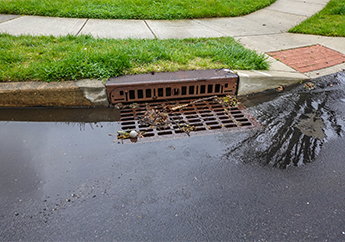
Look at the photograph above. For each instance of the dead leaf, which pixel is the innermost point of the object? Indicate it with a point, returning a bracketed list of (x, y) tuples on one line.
[(279, 89)]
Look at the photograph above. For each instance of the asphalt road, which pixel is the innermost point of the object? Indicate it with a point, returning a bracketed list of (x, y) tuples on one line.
[(69, 181)]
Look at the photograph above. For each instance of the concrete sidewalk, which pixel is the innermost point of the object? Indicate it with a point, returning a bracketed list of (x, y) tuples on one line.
[(263, 31)]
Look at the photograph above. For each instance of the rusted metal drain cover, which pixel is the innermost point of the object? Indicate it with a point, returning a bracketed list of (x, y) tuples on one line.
[(309, 58), (207, 117), (171, 85)]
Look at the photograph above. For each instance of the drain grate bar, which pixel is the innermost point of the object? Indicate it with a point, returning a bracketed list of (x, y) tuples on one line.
[(205, 116)]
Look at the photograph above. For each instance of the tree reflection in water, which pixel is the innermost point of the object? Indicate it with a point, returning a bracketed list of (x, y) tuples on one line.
[(296, 125)]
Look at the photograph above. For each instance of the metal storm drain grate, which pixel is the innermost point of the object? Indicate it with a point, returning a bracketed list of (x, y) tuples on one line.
[(173, 85), (199, 117), (309, 58)]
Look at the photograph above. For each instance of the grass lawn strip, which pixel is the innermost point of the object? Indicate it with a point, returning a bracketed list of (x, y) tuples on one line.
[(133, 9), (330, 21), (48, 58)]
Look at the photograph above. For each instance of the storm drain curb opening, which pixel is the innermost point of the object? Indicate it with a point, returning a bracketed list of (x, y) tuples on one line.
[(185, 103), (173, 85)]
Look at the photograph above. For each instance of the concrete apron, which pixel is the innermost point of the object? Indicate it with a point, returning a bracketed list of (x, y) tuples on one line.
[(92, 93)]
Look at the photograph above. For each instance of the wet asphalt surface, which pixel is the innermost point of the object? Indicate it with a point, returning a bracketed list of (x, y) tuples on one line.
[(64, 178)]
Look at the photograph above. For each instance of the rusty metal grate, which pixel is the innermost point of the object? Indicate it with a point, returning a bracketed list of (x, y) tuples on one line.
[(174, 85), (206, 117)]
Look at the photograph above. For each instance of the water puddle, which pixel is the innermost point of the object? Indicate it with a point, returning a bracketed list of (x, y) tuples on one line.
[(85, 115), (296, 124), (312, 126)]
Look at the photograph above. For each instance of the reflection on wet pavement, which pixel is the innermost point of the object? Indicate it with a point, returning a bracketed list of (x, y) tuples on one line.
[(68, 180), (296, 124), (78, 115), (312, 126)]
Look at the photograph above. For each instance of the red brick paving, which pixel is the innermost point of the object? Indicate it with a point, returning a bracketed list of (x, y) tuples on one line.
[(309, 58)]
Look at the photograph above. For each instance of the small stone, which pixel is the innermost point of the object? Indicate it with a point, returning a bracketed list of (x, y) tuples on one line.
[(133, 134)]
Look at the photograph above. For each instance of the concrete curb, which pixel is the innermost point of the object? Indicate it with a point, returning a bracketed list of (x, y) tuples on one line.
[(258, 81), (92, 93), (60, 94)]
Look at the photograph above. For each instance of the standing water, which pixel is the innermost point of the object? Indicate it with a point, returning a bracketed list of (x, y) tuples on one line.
[(297, 124), (63, 178)]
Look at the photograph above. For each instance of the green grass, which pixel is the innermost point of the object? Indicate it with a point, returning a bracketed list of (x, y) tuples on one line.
[(48, 58), (133, 9), (329, 22)]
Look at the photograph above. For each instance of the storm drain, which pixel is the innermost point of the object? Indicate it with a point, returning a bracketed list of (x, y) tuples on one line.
[(173, 85), (205, 117)]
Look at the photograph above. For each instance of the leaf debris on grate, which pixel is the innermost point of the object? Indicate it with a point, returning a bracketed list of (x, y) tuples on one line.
[(185, 117)]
